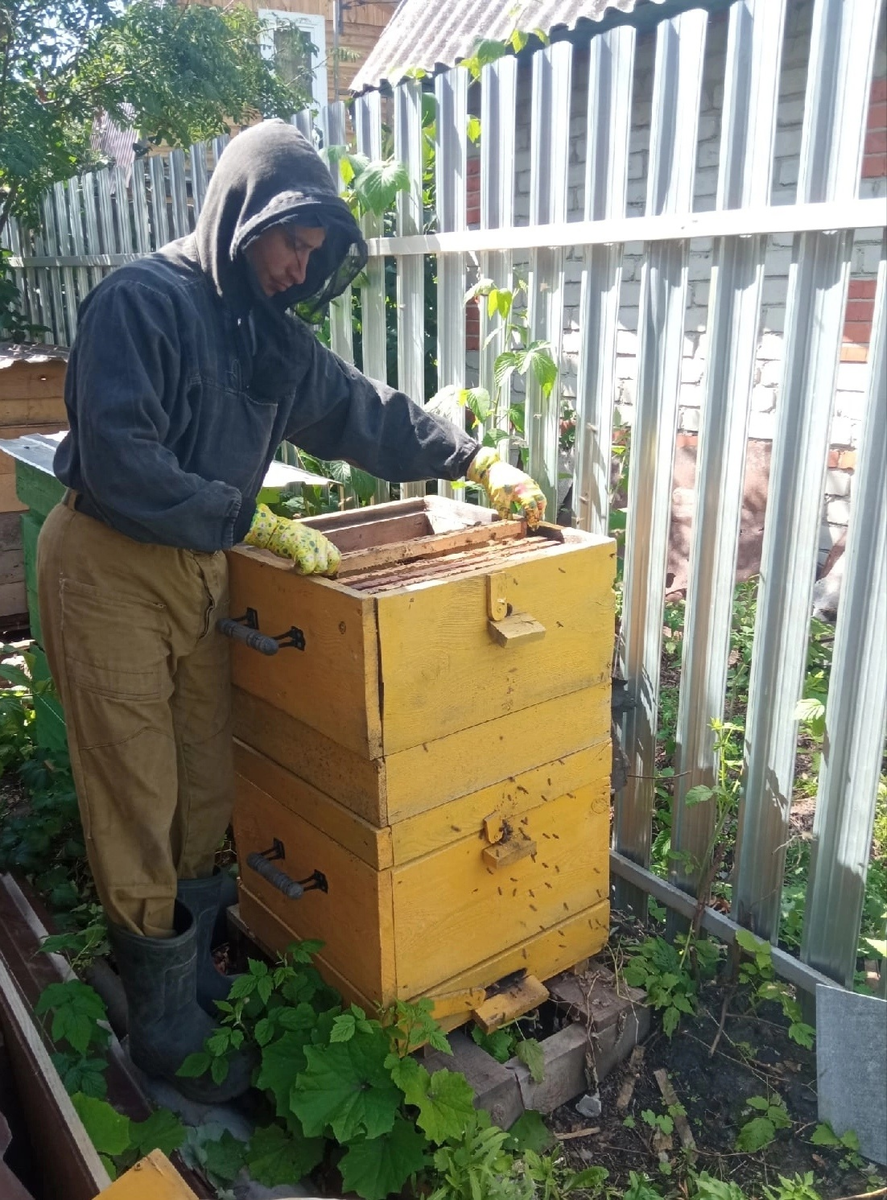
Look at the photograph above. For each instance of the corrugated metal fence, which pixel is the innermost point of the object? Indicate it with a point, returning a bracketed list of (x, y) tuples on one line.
[(95, 223)]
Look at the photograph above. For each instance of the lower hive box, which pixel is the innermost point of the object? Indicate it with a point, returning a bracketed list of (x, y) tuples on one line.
[(448, 855)]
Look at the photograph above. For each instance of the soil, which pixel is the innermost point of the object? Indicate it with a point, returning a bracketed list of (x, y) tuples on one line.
[(752, 1057)]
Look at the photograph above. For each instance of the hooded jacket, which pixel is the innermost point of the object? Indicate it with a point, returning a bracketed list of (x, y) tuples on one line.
[(184, 377)]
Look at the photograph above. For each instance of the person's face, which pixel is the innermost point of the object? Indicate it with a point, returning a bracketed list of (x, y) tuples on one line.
[(279, 256)]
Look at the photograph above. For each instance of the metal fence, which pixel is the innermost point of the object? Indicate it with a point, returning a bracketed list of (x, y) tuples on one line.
[(95, 223)]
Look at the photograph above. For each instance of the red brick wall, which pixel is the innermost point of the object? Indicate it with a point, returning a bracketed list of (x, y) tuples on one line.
[(861, 296)]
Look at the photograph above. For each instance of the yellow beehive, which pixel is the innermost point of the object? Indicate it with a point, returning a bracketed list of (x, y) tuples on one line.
[(433, 739)]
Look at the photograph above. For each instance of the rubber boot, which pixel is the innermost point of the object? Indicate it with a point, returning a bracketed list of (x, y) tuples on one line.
[(166, 1023), (204, 899)]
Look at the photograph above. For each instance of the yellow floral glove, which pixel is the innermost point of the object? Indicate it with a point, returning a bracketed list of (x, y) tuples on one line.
[(506, 485), (312, 553)]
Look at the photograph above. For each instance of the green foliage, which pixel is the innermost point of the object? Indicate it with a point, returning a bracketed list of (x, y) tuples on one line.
[(760, 1130), (758, 973), (661, 969), (178, 74), (116, 1137), (799, 1187), (78, 1013)]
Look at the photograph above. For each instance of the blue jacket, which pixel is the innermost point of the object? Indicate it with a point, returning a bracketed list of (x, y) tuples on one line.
[(184, 378)]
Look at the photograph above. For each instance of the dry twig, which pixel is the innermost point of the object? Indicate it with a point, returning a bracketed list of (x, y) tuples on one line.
[(682, 1125)]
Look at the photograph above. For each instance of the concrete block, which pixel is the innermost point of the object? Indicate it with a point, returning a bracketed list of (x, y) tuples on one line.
[(567, 1070), (842, 432), (851, 1066), (837, 483), (853, 377), (770, 375), (838, 512), (763, 399), (495, 1087), (614, 1013), (692, 370), (688, 419), (771, 346), (850, 405), (762, 426)]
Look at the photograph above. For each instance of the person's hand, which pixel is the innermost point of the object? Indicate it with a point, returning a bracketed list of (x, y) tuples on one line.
[(506, 485), (312, 553)]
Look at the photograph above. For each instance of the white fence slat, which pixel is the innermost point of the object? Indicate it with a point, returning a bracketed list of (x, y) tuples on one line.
[(549, 162), (332, 125), (839, 77), (199, 177), (451, 178), (751, 93), (78, 240), (141, 218), (178, 194), (374, 345), (856, 713), (51, 239), (498, 130), (610, 78), (677, 89), (106, 215), (158, 202), (66, 247), (411, 271)]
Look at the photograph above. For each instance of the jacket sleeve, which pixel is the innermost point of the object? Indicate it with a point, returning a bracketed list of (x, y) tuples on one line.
[(340, 413), (127, 360)]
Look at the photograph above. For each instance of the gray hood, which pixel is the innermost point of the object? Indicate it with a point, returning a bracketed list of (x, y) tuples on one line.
[(271, 175)]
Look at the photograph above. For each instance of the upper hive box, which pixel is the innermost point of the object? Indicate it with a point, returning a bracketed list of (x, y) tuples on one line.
[(442, 620)]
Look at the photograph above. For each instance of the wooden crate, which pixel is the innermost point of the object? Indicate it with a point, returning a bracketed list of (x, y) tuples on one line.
[(32, 380), (438, 750)]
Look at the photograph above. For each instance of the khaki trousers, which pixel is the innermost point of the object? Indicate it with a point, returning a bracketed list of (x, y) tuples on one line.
[(129, 632)]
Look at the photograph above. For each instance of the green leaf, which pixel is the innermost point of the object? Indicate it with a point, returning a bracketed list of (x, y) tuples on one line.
[(378, 184), (759, 1102), (532, 1056), (748, 941), (276, 1156), (344, 1028), (77, 1010), (194, 1065), (755, 1135), (108, 1129), (447, 1109), (803, 1034), (282, 1060), (698, 795), (346, 1088), (592, 1178), (670, 1018), (529, 1132), (379, 1167), (161, 1131), (225, 1156), (409, 1076), (474, 130)]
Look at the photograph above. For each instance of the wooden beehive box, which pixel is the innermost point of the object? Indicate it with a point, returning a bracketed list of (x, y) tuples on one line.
[(433, 738), (32, 383)]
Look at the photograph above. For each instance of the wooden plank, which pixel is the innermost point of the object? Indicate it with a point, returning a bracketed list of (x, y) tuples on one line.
[(12, 566), (37, 490), (370, 534), (507, 800), (13, 599), (476, 911), (512, 1002), (151, 1178), (39, 411), (546, 954), (428, 547), (10, 531), (370, 844), (442, 672), (32, 381), (348, 919), (356, 782), (9, 501), (425, 777), (273, 936), (332, 684), (69, 1162)]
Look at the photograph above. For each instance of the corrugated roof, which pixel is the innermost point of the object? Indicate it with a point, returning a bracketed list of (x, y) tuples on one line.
[(14, 352), (431, 35)]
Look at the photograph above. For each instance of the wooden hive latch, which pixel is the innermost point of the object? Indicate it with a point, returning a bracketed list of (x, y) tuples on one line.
[(507, 627)]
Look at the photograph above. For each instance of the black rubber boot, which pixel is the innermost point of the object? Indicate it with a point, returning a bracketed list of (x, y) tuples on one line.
[(205, 899), (166, 1023)]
